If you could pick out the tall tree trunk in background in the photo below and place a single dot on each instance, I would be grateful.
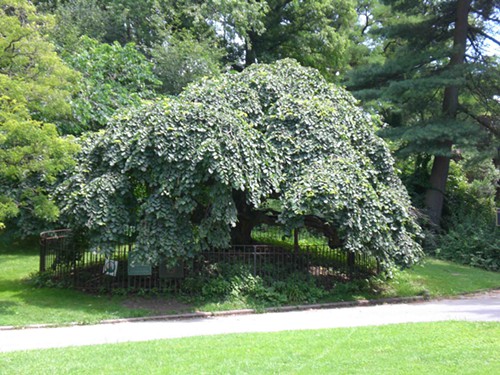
(250, 54)
(435, 194)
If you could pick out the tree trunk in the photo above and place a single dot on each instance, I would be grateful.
(434, 198)
(241, 234)
(250, 53)
(435, 194)
(296, 240)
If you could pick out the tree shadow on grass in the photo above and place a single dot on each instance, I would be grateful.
(23, 303)
(7, 308)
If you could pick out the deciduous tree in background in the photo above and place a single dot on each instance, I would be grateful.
(34, 89)
(112, 77)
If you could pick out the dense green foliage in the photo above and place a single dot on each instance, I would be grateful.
(31, 156)
(34, 88)
(316, 33)
(112, 77)
(471, 236)
(223, 282)
(177, 174)
(31, 73)
(429, 69)
(181, 59)
(408, 81)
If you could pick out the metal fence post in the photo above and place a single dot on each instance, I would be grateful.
(43, 251)
(254, 260)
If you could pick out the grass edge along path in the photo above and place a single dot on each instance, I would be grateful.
(420, 348)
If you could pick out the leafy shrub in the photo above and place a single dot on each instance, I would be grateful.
(472, 242)
(236, 282)
(471, 236)
(46, 280)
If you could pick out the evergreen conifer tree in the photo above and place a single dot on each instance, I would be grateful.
(428, 86)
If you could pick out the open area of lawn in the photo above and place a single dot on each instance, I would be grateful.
(423, 348)
(439, 278)
(21, 303)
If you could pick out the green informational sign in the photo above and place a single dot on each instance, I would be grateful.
(138, 269)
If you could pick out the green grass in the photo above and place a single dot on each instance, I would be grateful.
(440, 278)
(424, 348)
(23, 304)
(275, 236)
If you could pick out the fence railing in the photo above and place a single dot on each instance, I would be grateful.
(64, 259)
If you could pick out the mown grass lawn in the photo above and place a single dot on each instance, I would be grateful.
(423, 348)
(439, 278)
(23, 304)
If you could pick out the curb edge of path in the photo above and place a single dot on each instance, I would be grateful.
(202, 314)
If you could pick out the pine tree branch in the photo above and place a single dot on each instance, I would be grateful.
(475, 47)
(487, 36)
(485, 121)
(485, 16)
(388, 44)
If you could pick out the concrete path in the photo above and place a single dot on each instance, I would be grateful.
(481, 307)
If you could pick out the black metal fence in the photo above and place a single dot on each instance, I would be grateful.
(66, 261)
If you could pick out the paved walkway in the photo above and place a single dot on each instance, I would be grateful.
(482, 307)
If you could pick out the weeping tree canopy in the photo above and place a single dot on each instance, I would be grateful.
(273, 144)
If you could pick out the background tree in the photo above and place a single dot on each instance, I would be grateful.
(276, 143)
(181, 58)
(112, 77)
(315, 33)
(433, 55)
(34, 88)
(173, 35)
(109, 21)
(31, 71)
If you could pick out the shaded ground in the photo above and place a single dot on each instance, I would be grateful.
(157, 306)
